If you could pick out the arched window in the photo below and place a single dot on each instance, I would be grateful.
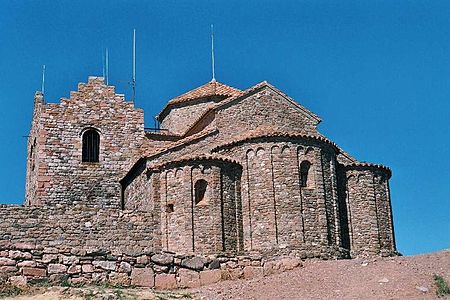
(200, 190)
(304, 170)
(91, 146)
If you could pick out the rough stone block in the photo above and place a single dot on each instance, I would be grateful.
(79, 280)
(143, 277)
(210, 276)
(74, 269)
(162, 259)
(194, 263)
(48, 258)
(37, 272)
(124, 267)
(8, 269)
(56, 269)
(290, 263)
(16, 254)
(119, 278)
(25, 246)
(188, 278)
(69, 260)
(143, 259)
(27, 263)
(5, 244)
(165, 281)
(19, 281)
(87, 268)
(7, 262)
(105, 265)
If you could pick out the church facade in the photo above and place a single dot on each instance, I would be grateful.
(227, 170)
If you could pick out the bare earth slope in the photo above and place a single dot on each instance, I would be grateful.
(409, 277)
(381, 278)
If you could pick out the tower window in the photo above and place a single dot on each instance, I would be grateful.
(200, 190)
(91, 146)
(304, 170)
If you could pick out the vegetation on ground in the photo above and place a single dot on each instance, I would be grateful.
(442, 287)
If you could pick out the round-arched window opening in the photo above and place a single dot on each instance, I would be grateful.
(91, 146)
(200, 191)
(304, 170)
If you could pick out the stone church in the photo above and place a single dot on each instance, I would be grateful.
(226, 170)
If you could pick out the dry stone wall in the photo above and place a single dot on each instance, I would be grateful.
(79, 227)
(23, 263)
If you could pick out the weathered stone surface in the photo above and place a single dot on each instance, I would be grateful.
(162, 259)
(119, 278)
(290, 263)
(7, 262)
(188, 278)
(25, 246)
(88, 268)
(27, 263)
(143, 277)
(253, 272)
(8, 269)
(105, 265)
(79, 280)
(15, 254)
(99, 277)
(56, 268)
(124, 267)
(195, 263)
(215, 264)
(5, 244)
(143, 259)
(74, 269)
(69, 260)
(210, 276)
(48, 258)
(165, 281)
(19, 281)
(38, 272)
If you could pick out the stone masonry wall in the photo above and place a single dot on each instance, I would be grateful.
(79, 227)
(265, 109)
(34, 147)
(23, 263)
(62, 178)
(209, 226)
(369, 212)
(277, 211)
(181, 118)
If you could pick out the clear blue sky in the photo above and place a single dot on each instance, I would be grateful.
(376, 72)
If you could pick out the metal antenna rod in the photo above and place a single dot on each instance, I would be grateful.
(107, 67)
(212, 54)
(103, 65)
(43, 80)
(133, 81)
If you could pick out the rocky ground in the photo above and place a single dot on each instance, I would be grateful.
(409, 277)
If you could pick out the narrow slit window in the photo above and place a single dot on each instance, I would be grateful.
(304, 170)
(200, 191)
(91, 146)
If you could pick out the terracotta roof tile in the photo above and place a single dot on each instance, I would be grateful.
(188, 158)
(262, 132)
(212, 88)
